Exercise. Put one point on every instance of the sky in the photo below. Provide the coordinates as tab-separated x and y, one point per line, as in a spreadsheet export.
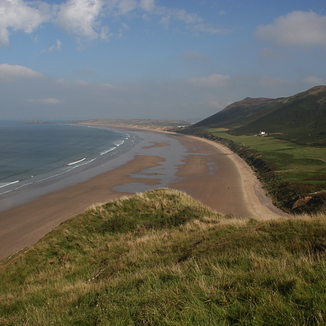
154	59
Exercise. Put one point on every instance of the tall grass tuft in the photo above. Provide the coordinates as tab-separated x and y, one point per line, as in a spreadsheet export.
161	258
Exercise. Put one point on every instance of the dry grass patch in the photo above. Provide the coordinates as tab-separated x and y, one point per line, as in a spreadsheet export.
161	258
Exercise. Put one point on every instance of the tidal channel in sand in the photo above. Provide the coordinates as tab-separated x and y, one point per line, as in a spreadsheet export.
205	170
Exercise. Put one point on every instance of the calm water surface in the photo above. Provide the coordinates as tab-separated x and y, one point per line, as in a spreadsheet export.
34	153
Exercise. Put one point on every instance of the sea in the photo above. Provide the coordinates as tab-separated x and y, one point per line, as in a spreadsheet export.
45	153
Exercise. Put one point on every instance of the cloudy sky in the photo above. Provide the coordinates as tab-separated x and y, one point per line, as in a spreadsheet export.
154	59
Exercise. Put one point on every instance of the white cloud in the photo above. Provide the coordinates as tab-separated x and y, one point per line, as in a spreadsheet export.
79	17
215	80
10	73
147	5
184	16
165	21
17	15
55	47
298	28
124	27
192	55
45	101
84	19
167	15
105	33
172	14
126	6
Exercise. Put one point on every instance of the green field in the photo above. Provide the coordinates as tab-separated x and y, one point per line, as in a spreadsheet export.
161	258
293	162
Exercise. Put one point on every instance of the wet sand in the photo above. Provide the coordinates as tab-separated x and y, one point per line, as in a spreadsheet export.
205	170
223	181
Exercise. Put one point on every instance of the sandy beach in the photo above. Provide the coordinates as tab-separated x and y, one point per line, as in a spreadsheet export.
205	170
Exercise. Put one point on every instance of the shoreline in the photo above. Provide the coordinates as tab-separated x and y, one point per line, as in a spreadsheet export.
30	188
205	170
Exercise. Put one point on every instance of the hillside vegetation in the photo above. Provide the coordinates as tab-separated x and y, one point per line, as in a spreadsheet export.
290	159
300	118
161	258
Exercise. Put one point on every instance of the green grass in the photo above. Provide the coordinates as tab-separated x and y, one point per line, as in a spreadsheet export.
161	258
295	163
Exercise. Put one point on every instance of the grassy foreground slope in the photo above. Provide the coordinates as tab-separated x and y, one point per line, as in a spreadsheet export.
161	258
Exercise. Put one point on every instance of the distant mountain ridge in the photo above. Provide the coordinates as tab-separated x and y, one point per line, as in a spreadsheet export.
300	118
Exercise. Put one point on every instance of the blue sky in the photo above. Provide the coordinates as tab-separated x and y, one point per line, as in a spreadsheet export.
154	59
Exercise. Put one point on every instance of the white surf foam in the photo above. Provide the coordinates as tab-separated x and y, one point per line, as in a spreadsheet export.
76	162
2	185
108	150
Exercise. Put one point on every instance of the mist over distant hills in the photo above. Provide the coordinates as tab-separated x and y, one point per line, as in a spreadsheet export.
300	118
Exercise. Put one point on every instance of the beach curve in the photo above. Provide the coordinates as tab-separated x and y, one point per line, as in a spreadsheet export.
208	171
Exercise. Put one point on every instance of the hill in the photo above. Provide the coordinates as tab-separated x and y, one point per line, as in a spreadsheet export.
300	118
161	258
238	113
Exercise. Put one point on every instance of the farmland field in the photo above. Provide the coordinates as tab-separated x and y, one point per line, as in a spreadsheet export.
293	162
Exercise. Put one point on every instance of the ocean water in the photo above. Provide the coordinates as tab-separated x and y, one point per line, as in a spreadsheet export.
33	154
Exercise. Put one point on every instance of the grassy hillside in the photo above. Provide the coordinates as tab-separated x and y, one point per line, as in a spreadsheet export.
238	114
291	161
161	258
300	118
